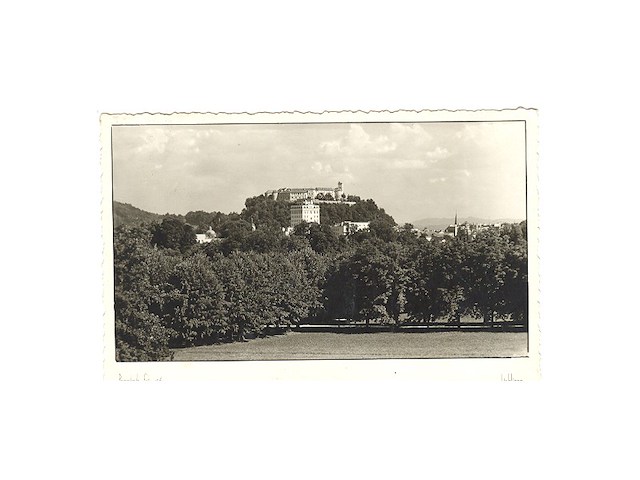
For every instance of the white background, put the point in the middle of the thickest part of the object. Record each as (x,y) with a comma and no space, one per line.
(63,63)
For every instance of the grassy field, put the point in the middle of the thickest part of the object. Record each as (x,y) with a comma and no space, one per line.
(312,346)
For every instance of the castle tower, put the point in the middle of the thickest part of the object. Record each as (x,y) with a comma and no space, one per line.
(338,191)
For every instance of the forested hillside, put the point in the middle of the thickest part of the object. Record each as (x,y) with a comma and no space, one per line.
(126,214)
(263,211)
(268,213)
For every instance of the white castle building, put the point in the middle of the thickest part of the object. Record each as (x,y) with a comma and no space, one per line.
(307,193)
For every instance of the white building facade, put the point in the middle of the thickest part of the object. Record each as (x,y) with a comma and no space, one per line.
(206,237)
(307,211)
(347,227)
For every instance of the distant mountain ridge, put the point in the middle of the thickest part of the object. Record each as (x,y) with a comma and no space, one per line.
(441,223)
(127,214)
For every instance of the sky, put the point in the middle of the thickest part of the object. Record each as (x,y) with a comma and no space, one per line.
(412,170)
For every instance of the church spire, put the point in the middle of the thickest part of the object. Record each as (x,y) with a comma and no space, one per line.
(455,225)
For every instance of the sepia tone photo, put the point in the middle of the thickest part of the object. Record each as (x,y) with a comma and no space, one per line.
(274,239)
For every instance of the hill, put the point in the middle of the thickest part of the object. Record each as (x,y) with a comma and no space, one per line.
(442,223)
(261,210)
(126,214)
(361,211)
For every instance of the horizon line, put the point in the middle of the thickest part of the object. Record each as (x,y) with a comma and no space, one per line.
(415,220)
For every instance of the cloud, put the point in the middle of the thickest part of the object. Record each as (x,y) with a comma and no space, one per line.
(412,170)
(358,142)
(411,135)
(409,164)
(438,153)
(153,140)
(322,168)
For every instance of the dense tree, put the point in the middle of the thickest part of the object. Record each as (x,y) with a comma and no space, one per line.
(199,220)
(263,240)
(515,289)
(269,289)
(382,230)
(407,236)
(485,261)
(368,210)
(360,236)
(435,278)
(140,273)
(183,294)
(368,284)
(195,308)
(362,211)
(234,224)
(396,257)
(234,233)
(340,290)
(293,243)
(334,213)
(373,271)
(523,228)
(451,280)
(219,218)
(321,238)
(266,212)
(173,233)
(514,232)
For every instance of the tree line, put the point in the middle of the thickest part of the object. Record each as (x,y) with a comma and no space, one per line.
(263,211)
(171,292)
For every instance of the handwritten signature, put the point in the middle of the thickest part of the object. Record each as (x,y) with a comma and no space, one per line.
(145,377)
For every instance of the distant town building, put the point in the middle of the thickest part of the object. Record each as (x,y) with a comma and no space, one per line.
(206,237)
(452,230)
(307,211)
(308,193)
(347,227)
(468,229)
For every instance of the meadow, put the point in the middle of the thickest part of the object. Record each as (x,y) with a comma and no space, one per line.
(344,346)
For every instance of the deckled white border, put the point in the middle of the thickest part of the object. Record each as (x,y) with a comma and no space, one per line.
(427,369)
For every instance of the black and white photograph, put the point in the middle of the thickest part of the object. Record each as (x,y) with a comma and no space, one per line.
(321,239)
(378,240)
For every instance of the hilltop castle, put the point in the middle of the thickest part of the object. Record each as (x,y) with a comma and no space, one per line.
(311,193)
(305,204)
